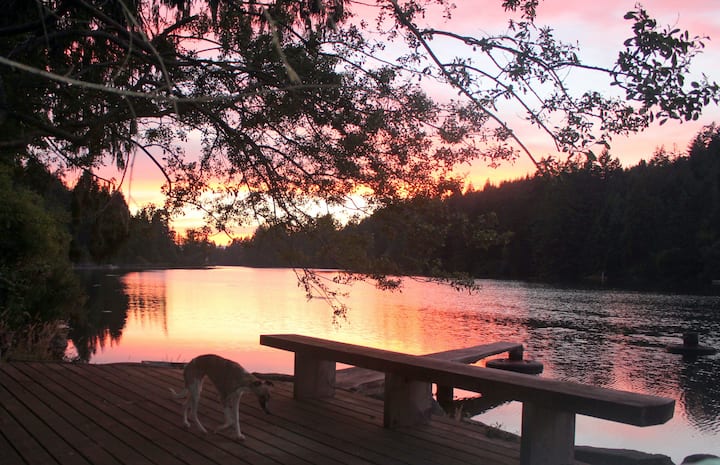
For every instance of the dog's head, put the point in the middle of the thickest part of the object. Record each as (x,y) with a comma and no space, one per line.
(262,391)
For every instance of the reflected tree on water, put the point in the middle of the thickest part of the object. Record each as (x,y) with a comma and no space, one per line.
(105,317)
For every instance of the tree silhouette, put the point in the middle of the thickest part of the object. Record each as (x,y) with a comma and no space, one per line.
(100,221)
(36,280)
(289,105)
(262,112)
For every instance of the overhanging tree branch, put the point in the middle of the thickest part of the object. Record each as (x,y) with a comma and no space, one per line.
(405,21)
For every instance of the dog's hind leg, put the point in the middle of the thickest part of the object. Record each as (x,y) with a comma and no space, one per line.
(193,403)
(185,393)
(186,408)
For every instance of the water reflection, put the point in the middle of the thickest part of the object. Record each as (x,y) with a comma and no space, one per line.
(700,387)
(106,316)
(147,298)
(613,339)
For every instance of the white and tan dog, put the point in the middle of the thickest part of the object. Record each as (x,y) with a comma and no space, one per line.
(230,379)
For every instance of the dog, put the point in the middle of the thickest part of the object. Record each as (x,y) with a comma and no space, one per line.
(230,379)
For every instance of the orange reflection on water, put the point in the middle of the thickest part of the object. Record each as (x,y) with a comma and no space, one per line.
(147,303)
(174,315)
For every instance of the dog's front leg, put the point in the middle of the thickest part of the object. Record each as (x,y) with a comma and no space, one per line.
(228,419)
(236,415)
(227,411)
(231,407)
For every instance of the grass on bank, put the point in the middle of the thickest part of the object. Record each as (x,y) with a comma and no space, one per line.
(44,341)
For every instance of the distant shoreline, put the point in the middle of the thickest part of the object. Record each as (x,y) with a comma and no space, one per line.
(138,267)
(712,288)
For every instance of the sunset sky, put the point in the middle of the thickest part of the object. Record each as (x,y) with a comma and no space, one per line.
(598,28)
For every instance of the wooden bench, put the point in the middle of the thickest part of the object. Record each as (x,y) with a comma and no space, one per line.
(371,382)
(549,406)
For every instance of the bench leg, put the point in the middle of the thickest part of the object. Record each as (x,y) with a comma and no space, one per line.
(407,402)
(444,395)
(314,378)
(547,436)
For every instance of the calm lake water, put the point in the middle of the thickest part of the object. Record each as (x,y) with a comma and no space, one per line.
(607,338)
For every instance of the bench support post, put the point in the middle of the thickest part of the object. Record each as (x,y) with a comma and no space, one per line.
(444,395)
(547,436)
(407,402)
(314,378)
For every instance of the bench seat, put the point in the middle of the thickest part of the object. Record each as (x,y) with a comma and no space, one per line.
(371,382)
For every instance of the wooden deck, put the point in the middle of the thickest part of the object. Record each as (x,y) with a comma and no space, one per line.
(54,413)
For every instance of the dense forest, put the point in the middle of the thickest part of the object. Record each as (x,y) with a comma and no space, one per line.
(653,225)
(656,224)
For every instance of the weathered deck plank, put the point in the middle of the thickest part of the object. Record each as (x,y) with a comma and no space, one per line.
(336,418)
(92,399)
(123,414)
(17,442)
(443,431)
(447,446)
(70,420)
(54,433)
(253,425)
(161,428)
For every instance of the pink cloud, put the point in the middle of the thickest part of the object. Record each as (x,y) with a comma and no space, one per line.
(600,30)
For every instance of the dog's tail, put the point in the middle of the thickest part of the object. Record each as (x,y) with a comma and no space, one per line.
(181,394)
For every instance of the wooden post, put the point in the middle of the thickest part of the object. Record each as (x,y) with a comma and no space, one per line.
(314,378)
(516,354)
(691,339)
(444,395)
(407,402)
(547,436)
